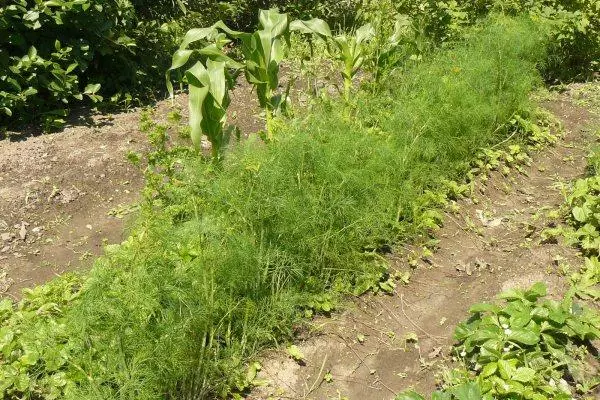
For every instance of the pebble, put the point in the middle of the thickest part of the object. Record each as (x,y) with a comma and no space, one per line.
(23,231)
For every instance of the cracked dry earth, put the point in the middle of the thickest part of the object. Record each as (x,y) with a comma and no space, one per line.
(382,345)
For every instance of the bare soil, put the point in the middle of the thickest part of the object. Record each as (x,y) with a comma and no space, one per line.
(381,345)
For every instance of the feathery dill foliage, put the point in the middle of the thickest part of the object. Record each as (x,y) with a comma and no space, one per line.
(216,272)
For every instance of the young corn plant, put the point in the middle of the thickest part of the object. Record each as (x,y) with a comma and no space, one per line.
(389,52)
(210,79)
(263,52)
(209,88)
(349,49)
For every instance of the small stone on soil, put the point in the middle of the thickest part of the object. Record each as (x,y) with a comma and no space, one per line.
(23,231)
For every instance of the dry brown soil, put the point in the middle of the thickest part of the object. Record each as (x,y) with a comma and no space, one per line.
(381,345)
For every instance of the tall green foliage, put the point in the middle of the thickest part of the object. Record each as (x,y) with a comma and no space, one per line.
(575,30)
(209,87)
(346,48)
(55,53)
(262,50)
(209,81)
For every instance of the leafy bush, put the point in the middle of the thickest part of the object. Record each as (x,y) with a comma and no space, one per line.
(242,14)
(528,347)
(575,32)
(55,52)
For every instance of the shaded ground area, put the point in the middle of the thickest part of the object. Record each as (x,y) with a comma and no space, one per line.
(381,345)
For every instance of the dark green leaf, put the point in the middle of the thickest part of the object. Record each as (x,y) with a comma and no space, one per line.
(523,336)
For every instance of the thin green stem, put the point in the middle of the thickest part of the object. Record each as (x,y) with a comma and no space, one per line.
(269,115)
(347,87)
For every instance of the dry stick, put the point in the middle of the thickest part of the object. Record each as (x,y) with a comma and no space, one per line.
(429,335)
(318,380)
(500,127)
(347,345)
(466,230)
(435,338)
(381,332)
(362,361)
(359,381)
(378,380)
(504,141)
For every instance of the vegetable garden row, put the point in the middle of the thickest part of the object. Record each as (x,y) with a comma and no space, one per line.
(230,251)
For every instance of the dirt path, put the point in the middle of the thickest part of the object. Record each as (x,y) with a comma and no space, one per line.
(382,345)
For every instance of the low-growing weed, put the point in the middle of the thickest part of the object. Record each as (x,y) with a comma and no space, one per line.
(584,205)
(529,346)
(464,391)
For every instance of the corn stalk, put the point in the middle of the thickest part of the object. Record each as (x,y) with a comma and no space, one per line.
(209,98)
(209,80)
(349,49)
(404,41)
(263,51)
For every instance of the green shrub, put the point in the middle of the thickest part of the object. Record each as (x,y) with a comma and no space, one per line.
(575,37)
(242,14)
(56,52)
